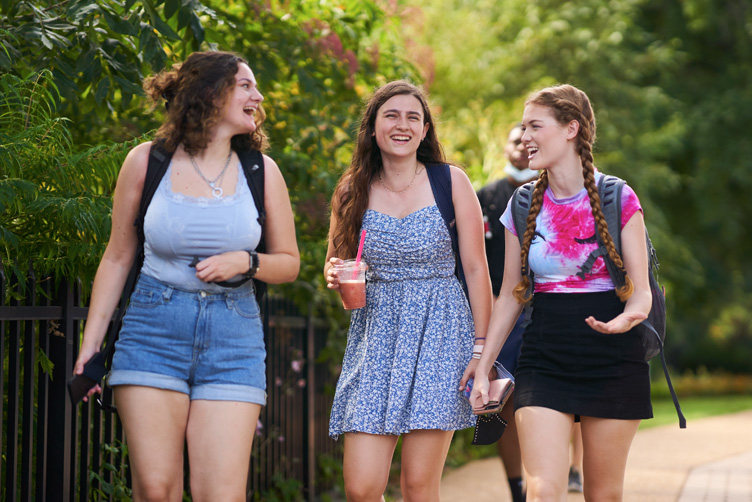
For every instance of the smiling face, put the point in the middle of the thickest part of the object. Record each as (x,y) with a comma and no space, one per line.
(547,141)
(243,101)
(399,126)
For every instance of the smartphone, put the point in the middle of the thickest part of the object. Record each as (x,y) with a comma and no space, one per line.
(79,386)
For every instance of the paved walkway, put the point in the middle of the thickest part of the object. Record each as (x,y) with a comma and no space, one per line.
(709,461)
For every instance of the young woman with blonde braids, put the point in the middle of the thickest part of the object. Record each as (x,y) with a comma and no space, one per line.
(580,360)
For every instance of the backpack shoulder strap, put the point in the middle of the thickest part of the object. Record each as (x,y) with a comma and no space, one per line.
(521,202)
(609,191)
(253,168)
(440,177)
(159,160)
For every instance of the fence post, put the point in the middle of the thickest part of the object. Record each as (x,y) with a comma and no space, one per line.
(14,368)
(29,364)
(310,402)
(61,456)
(2,358)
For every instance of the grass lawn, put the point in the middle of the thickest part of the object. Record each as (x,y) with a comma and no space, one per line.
(695,408)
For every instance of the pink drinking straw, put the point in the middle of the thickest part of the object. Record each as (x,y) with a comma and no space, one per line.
(360,252)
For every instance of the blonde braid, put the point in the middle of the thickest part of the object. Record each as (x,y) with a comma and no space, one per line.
(521,290)
(625,291)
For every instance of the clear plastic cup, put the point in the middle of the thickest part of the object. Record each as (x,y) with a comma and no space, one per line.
(352,283)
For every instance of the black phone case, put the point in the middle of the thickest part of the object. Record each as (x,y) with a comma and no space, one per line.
(79,386)
(94,371)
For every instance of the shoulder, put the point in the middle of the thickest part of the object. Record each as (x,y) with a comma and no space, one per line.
(136,163)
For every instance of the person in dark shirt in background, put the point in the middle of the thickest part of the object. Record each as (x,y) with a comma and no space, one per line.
(493,200)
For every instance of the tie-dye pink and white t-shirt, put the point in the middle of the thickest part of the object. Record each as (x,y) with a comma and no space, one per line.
(565,237)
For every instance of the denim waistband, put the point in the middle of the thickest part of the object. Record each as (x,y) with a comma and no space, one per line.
(227,293)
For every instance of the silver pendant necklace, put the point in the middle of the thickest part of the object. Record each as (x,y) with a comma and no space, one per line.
(216,191)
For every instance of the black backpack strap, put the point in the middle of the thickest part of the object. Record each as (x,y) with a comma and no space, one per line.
(521,202)
(440,178)
(609,191)
(159,160)
(253,168)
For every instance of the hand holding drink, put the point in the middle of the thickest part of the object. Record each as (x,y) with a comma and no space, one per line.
(352,283)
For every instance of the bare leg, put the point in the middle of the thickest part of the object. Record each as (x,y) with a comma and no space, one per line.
(544,440)
(509,445)
(154,421)
(366,465)
(423,455)
(219,436)
(509,451)
(606,444)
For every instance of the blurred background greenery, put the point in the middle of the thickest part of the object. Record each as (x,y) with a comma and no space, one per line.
(670,81)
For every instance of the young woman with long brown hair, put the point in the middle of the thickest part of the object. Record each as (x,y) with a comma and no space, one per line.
(580,360)
(410,348)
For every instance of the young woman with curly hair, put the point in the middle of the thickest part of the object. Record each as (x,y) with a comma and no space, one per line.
(581,360)
(409,350)
(189,366)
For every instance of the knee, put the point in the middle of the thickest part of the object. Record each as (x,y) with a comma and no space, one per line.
(417,488)
(601,493)
(363,489)
(153,492)
(543,490)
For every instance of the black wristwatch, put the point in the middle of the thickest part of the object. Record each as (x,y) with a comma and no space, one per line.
(253,264)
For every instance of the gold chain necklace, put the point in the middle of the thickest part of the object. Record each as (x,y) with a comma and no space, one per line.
(415,175)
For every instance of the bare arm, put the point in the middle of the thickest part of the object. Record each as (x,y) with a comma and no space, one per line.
(281,261)
(635,255)
(505,313)
(472,248)
(119,254)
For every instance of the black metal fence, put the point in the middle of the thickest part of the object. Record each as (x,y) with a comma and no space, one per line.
(50,448)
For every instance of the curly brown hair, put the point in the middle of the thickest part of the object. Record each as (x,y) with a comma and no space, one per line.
(195,92)
(350,198)
(568,103)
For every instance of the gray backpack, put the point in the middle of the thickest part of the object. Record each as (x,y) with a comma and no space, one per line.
(653,329)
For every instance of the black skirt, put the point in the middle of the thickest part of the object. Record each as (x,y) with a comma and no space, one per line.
(567,366)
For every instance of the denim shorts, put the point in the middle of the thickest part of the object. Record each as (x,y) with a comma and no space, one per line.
(207,345)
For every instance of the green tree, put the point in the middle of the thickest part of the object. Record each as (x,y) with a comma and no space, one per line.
(669,82)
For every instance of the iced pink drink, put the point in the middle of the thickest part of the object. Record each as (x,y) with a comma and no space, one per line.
(353,294)
(352,283)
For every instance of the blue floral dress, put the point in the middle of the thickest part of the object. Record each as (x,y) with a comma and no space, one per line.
(408,347)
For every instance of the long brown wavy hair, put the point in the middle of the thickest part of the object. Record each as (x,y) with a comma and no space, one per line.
(350,199)
(567,103)
(195,93)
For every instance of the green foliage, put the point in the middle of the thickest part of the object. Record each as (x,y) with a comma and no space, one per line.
(111,484)
(55,203)
(669,81)
(98,52)
(282,490)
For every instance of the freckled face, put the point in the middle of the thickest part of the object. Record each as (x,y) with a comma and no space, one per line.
(399,126)
(243,102)
(543,136)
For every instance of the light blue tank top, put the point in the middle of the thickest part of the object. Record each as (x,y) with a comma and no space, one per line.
(178,228)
